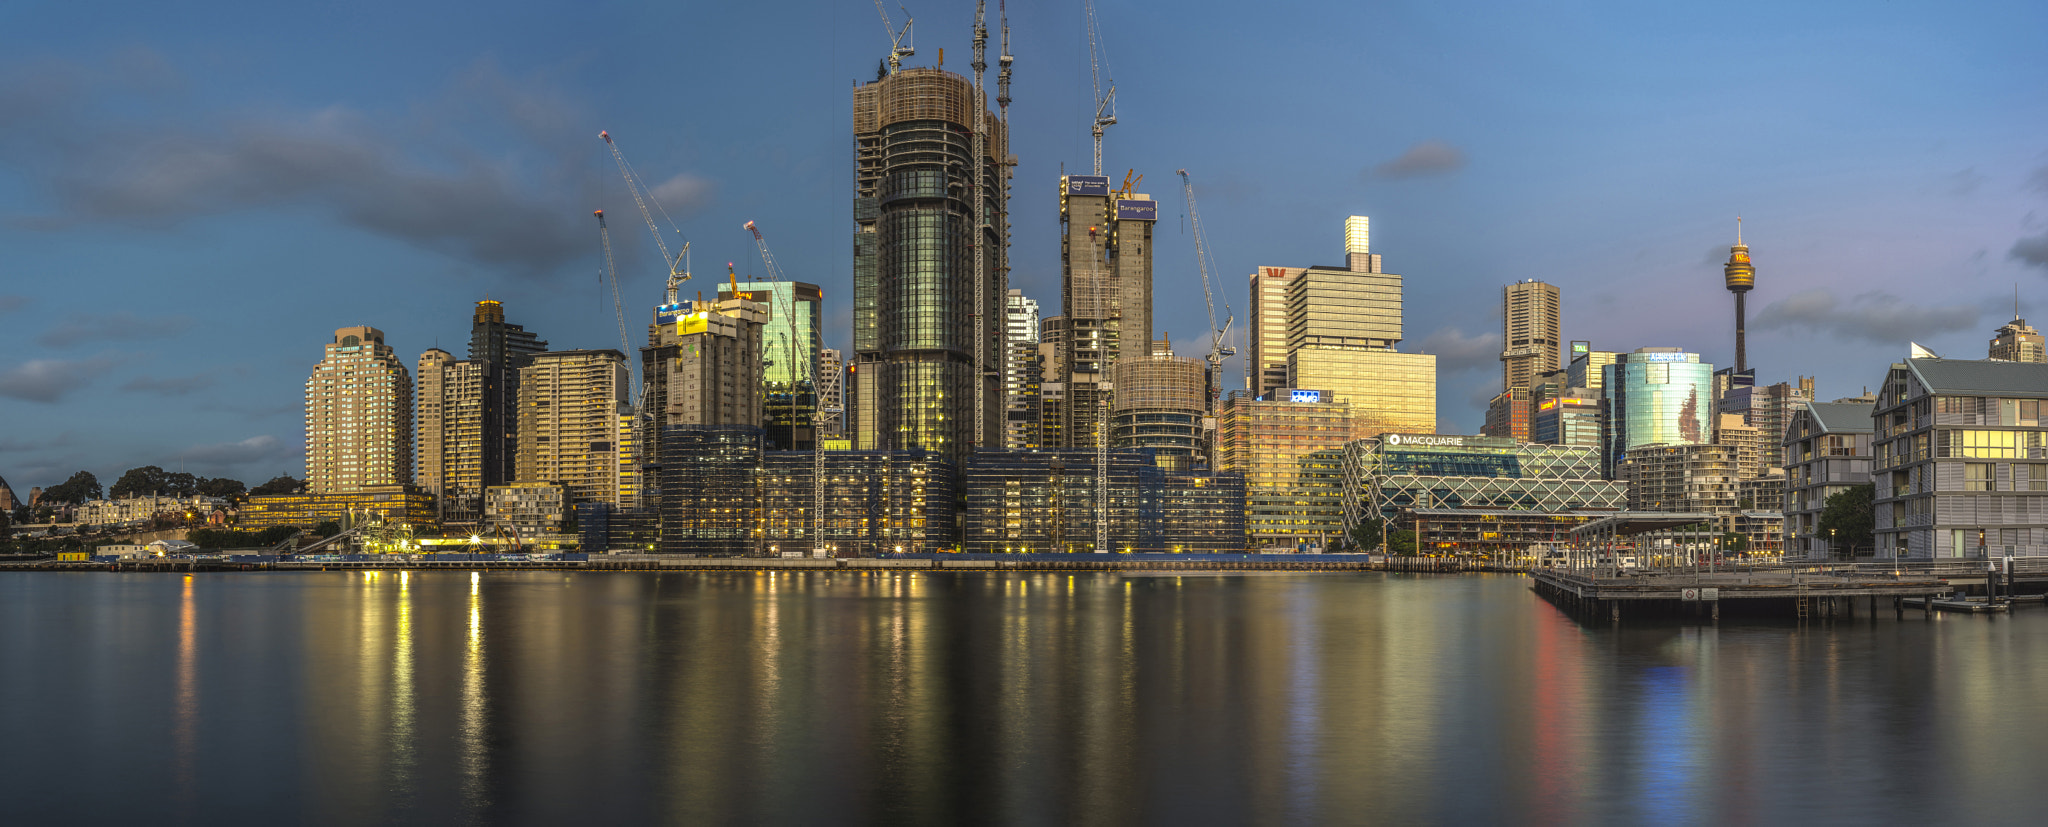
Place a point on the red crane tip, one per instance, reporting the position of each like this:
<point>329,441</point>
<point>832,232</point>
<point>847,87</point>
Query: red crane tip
<point>607,136</point>
<point>598,213</point>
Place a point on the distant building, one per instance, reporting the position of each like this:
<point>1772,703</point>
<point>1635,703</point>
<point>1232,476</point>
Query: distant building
<point>1476,493</point>
<point>1290,451</point>
<point>1508,416</point>
<point>1588,367</point>
<point>1105,296</point>
<point>1343,325</point>
<point>1960,459</point>
<point>1657,396</point>
<point>506,347</point>
<point>1022,372</point>
<point>1531,333</point>
<point>1159,404</point>
<point>1573,417</point>
<point>527,507</point>
<point>1268,325</point>
<point>457,403</point>
<point>8,502</point>
<point>1769,409</point>
<point>359,416</point>
<point>394,504</point>
<point>133,509</point>
<point>574,420</point>
<point>831,393</point>
<point>702,367</point>
<point>1044,501</point>
<point>1827,451</point>
<point>2016,342</point>
<point>790,344</point>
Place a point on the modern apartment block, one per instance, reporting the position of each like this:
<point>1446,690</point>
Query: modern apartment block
<point>1022,371</point>
<point>359,415</point>
<point>1105,295</point>
<point>1702,478</point>
<point>1827,452</point>
<point>1960,459</point>
<point>831,392</point>
<point>506,347</point>
<point>930,264</point>
<point>1531,332</point>
<point>573,404</point>
<point>455,420</point>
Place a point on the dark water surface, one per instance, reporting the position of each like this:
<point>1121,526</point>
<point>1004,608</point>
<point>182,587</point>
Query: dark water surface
<point>603,698</point>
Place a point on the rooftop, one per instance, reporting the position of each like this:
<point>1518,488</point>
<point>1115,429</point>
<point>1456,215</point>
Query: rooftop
<point>1988,377</point>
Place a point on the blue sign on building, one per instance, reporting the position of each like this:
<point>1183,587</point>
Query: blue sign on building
<point>1130,209</point>
<point>1087,185</point>
<point>1305,396</point>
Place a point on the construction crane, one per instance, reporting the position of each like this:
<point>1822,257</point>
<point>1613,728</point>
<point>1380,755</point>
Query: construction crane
<point>604,238</point>
<point>1004,60</point>
<point>900,45</point>
<point>1218,336</point>
<point>679,264</point>
<point>978,148</point>
<point>1105,388</point>
<point>1105,102</point>
<point>799,367</point>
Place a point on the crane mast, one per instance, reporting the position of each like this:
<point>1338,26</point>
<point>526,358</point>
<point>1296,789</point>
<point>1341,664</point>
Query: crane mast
<point>979,147</point>
<point>678,264</point>
<point>798,367</point>
<point>1218,336</point>
<point>900,40</point>
<point>1105,388</point>
<point>604,237</point>
<point>1105,102</point>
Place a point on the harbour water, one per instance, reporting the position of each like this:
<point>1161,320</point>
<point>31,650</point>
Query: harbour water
<point>939,698</point>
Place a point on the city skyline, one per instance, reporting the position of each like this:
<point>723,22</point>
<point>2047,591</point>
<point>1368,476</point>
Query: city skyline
<point>1850,209</point>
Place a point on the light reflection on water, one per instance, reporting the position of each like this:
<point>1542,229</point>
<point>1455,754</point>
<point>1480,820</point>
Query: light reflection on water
<point>945,698</point>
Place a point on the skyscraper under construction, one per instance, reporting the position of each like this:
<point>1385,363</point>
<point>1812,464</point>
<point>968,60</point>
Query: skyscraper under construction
<point>1105,293</point>
<point>930,265</point>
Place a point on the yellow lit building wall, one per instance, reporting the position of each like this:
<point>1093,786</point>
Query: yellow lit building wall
<point>1386,391</point>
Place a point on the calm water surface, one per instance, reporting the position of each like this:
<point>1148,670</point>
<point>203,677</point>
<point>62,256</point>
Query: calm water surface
<point>598,698</point>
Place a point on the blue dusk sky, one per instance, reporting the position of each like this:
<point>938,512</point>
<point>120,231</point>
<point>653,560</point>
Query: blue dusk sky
<point>194,196</point>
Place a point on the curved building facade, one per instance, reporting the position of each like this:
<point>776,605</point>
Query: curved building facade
<point>1157,404</point>
<point>1658,396</point>
<point>916,297</point>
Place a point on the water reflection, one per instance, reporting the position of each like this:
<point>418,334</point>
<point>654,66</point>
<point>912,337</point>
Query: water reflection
<point>1036,697</point>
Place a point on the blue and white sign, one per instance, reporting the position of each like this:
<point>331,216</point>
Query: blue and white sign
<point>1660,357</point>
<point>668,313</point>
<point>1131,209</point>
<point>1087,185</point>
<point>1305,396</point>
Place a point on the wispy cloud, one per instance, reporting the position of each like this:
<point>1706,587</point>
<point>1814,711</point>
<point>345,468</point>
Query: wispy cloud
<point>169,385</point>
<point>253,449</point>
<point>1875,317</point>
<point>11,303</point>
<point>50,380</point>
<point>2031,251</point>
<point>1456,351</point>
<point>81,328</point>
<point>1430,157</point>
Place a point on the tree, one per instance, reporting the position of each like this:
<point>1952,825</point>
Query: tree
<point>222,487</point>
<point>1848,520</point>
<point>1367,535</point>
<point>82,487</point>
<point>278,485</point>
<point>139,482</point>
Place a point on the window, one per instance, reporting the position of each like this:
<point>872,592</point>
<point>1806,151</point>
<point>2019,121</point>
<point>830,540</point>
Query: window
<point>1977,476</point>
<point>2036,475</point>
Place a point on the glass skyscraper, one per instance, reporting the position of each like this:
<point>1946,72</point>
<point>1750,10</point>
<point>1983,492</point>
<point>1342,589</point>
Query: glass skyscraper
<point>1657,396</point>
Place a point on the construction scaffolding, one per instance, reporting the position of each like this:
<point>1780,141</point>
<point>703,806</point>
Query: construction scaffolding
<point>1159,404</point>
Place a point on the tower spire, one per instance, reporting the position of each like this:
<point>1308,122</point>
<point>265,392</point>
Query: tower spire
<point>1740,276</point>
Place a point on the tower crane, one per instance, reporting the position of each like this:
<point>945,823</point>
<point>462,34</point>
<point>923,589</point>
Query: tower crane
<point>679,264</point>
<point>978,148</point>
<point>799,367</point>
<point>1105,389</point>
<point>604,237</point>
<point>1218,336</point>
<point>1004,60</point>
<point>900,41</point>
<point>1105,102</point>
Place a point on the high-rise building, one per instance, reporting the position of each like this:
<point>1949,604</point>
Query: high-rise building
<point>1159,405</point>
<point>831,392</point>
<point>1587,367</point>
<point>1342,329</point>
<point>2016,342</point>
<point>1531,332</point>
<point>358,415</point>
<point>1740,276</point>
<point>1269,327</point>
<point>1657,396</point>
<point>1769,409</point>
<point>790,343</point>
<point>1105,294</point>
<point>928,353</point>
<point>1052,394</point>
<point>507,347</point>
<point>1022,371</point>
<point>703,366</point>
<point>1290,450</point>
<point>1572,417</point>
<point>1508,416</point>
<point>573,404</point>
<point>453,408</point>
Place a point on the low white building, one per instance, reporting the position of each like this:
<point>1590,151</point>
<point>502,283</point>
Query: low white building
<point>167,548</point>
<point>109,512</point>
<point>124,551</point>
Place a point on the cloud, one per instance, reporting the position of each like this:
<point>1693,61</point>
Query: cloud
<point>1456,351</point>
<point>80,328</point>
<point>11,303</point>
<point>2039,180</point>
<point>263,448</point>
<point>683,195</point>
<point>1876,317</point>
<point>494,171</point>
<point>169,385</point>
<point>1964,182</point>
<point>2032,251</point>
<point>1430,157</point>
<point>49,380</point>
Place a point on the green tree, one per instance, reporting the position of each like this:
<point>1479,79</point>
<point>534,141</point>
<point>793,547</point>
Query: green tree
<point>278,485</point>
<point>139,482</point>
<point>1848,520</point>
<point>81,487</point>
<point>222,487</point>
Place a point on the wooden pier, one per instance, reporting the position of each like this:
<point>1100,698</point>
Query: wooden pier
<point>1788,592</point>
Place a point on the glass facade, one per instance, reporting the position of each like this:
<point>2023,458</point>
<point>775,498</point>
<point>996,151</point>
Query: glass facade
<point>1395,476</point>
<point>1386,390</point>
<point>1657,396</point>
<point>1291,456</point>
<point>1041,501</point>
